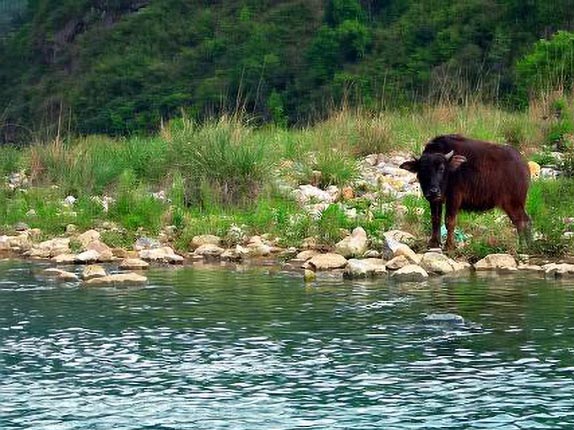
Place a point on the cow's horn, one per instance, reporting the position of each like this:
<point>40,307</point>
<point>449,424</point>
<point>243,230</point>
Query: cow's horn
<point>449,155</point>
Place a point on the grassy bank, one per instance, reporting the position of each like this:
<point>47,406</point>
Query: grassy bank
<point>206,178</point>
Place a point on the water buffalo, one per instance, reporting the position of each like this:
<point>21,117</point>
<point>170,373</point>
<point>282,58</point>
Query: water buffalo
<point>471,175</point>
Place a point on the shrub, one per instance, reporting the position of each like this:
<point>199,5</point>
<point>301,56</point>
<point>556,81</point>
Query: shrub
<point>548,66</point>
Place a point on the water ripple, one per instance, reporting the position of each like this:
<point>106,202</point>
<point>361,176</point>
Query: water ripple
<point>224,350</point>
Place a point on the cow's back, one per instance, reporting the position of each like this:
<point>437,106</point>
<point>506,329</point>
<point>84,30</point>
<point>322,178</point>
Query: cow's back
<point>493,175</point>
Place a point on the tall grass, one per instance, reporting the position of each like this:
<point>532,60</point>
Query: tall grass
<point>225,172</point>
<point>222,163</point>
<point>90,165</point>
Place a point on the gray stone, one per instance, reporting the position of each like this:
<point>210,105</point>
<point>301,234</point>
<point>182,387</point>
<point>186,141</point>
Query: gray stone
<point>21,226</point>
<point>258,248</point>
<point>5,243</point>
<point>405,250</point>
<point>310,193</point>
<point>20,242</point>
<point>372,253</point>
<point>531,268</point>
<point>444,319</point>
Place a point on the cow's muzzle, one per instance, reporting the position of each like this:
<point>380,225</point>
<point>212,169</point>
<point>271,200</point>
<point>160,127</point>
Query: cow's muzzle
<point>433,195</point>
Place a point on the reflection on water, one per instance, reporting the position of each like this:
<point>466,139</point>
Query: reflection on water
<point>199,349</point>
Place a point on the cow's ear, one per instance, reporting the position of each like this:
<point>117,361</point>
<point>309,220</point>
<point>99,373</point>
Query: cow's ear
<point>456,161</point>
<point>411,166</point>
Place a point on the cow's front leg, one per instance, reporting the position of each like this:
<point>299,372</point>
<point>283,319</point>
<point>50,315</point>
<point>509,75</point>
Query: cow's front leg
<point>436,215</point>
<point>451,213</point>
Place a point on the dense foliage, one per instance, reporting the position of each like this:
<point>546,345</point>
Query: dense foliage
<point>117,66</point>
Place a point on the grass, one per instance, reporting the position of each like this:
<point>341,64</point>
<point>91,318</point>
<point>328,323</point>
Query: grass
<point>226,174</point>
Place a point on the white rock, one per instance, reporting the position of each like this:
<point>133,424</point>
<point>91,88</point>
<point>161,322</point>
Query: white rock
<point>70,200</point>
<point>106,253</point>
<point>87,237</point>
<point>164,254</point>
<point>64,258</point>
<point>231,254</point>
<point>50,248</point>
<point>90,256</point>
<point>410,273</point>
<point>354,245</point>
<point>133,264</point>
<point>405,250</point>
<point>558,270</point>
<point>205,239</point>
<point>368,267</point>
<point>306,255</point>
<point>398,262</point>
<point>440,264</point>
<point>307,193</point>
<point>209,250</point>
<point>327,261</point>
<point>61,274</point>
<point>5,243</point>
<point>531,268</point>
<point>93,271</point>
<point>118,279</point>
<point>496,261</point>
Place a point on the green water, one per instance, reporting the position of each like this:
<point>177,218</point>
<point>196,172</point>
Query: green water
<point>218,349</point>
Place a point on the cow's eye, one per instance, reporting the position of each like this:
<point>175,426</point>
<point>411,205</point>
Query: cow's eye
<point>441,169</point>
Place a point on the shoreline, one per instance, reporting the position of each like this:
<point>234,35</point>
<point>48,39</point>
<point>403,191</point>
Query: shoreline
<point>102,265</point>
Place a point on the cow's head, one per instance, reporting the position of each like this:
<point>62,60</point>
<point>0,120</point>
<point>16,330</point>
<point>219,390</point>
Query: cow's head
<point>432,170</point>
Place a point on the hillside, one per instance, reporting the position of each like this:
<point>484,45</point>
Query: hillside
<point>118,66</point>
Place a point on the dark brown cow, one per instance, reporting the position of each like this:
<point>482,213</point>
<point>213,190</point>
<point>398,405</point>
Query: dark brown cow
<point>471,175</point>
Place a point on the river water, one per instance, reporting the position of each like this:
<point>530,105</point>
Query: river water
<point>220,349</point>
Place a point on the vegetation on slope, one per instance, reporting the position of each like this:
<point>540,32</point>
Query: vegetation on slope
<point>208,178</point>
<point>118,66</point>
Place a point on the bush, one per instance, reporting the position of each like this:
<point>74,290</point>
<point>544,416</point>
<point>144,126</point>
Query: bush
<point>549,66</point>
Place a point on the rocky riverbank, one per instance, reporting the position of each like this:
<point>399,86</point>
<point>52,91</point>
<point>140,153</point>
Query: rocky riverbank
<point>352,257</point>
<point>358,255</point>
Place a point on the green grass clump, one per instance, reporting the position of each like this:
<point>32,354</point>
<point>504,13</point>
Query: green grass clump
<point>135,208</point>
<point>11,160</point>
<point>221,162</point>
